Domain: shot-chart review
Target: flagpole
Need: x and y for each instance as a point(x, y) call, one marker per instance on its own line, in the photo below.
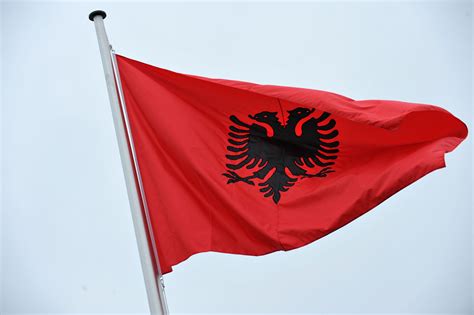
point(150, 265)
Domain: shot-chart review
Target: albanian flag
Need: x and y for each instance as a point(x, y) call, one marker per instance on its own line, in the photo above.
point(242, 168)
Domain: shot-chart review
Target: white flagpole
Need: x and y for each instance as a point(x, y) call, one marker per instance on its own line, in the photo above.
point(150, 264)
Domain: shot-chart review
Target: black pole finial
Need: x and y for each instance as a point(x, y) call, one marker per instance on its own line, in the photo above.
point(95, 13)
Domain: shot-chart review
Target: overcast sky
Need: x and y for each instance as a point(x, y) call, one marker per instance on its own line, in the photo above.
point(67, 236)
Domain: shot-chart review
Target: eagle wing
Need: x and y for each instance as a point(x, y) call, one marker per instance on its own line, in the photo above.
point(317, 142)
point(247, 145)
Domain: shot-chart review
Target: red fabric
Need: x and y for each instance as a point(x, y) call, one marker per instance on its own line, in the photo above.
point(180, 126)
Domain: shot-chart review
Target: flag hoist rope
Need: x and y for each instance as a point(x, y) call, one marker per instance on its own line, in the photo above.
point(145, 241)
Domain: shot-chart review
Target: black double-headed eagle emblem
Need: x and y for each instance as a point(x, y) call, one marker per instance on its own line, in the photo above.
point(278, 155)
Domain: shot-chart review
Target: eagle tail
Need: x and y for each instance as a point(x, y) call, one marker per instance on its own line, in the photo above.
point(277, 183)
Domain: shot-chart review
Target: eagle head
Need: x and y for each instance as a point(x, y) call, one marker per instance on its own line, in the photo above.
point(265, 117)
point(300, 113)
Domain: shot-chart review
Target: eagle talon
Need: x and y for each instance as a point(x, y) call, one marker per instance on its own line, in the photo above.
point(235, 178)
point(321, 173)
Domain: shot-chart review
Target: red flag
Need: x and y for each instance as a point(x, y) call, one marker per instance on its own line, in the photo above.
point(250, 169)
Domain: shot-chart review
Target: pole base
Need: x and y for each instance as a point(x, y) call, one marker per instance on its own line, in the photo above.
point(93, 14)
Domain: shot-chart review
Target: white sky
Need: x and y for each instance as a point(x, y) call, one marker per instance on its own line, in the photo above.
point(67, 237)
